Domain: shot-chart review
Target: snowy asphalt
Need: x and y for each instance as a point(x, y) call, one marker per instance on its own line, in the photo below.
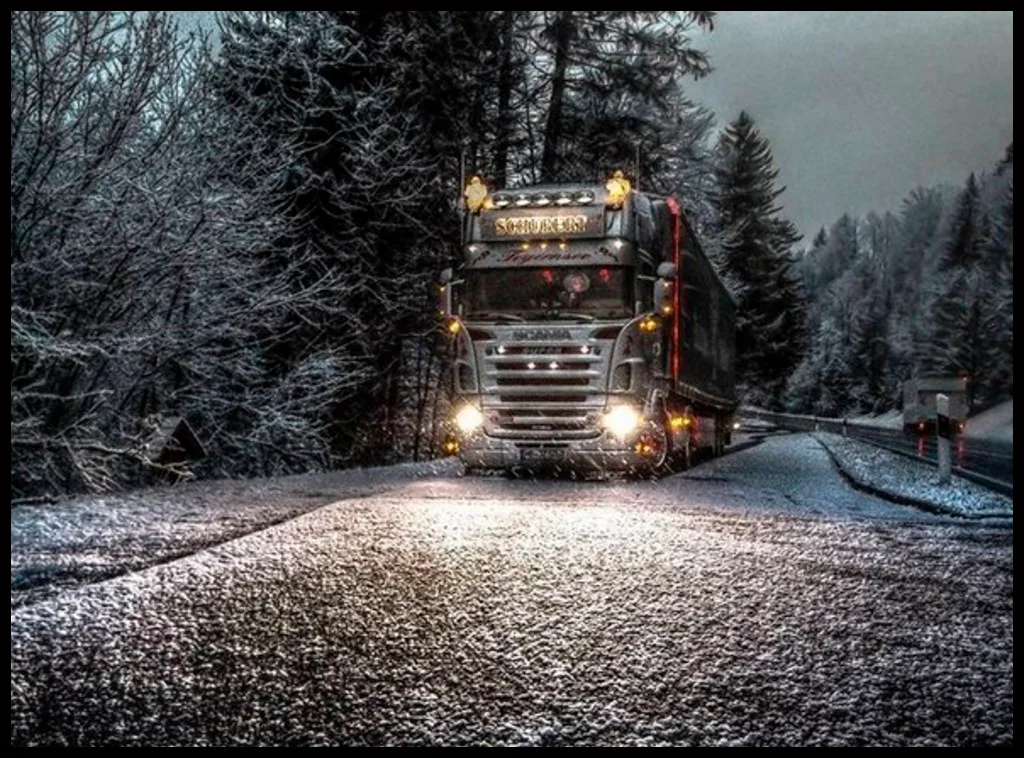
point(756, 600)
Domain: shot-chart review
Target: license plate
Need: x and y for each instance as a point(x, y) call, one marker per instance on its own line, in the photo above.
point(540, 455)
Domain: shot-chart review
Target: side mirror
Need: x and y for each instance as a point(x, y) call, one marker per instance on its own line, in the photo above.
point(664, 289)
point(663, 296)
point(444, 294)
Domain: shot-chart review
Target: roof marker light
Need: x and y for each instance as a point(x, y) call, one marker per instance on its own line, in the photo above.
point(618, 187)
point(476, 194)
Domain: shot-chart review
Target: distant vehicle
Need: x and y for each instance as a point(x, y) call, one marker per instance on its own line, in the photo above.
point(919, 411)
point(590, 332)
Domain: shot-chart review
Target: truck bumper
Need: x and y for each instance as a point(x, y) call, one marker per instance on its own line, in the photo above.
point(590, 455)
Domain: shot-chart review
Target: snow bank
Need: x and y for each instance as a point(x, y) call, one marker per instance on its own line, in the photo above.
point(913, 482)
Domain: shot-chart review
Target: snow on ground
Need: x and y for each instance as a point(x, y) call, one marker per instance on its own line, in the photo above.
point(995, 423)
point(888, 420)
point(911, 481)
point(86, 540)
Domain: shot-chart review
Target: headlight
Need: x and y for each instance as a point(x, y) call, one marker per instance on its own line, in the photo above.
point(469, 418)
point(621, 420)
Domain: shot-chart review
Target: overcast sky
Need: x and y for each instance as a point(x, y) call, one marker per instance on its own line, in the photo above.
point(861, 107)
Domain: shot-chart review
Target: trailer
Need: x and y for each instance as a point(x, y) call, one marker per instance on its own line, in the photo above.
point(589, 331)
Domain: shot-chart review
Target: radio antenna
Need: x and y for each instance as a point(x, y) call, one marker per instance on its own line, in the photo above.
point(637, 175)
point(461, 200)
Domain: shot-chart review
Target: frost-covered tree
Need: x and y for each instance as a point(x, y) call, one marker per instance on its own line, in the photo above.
point(106, 219)
point(685, 166)
point(135, 287)
point(918, 224)
point(971, 302)
point(358, 197)
point(997, 384)
point(836, 255)
point(955, 343)
point(926, 292)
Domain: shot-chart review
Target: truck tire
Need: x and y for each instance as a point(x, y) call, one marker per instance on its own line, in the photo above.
point(685, 455)
point(661, 462)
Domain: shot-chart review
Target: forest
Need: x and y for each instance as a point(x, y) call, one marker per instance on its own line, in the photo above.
point(245, 232)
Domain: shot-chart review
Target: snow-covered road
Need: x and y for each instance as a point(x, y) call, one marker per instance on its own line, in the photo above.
point(755, 600)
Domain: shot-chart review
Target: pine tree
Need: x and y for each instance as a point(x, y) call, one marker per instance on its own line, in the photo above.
point(755, 257)
point(997, 273)
point(871, 354)
point(919, 218)
point(968, 233)
point(955, 343)
point(928, 291)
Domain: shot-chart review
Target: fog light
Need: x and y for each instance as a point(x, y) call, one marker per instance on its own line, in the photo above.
point(621, 420)
point(469, 418)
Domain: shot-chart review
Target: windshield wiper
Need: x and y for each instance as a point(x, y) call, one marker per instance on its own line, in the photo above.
point(495, 316)
point(570, 314)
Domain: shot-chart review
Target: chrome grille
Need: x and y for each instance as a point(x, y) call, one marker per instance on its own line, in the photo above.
point(536, 390)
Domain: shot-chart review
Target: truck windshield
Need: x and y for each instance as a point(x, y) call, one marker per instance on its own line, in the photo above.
point(552, 292)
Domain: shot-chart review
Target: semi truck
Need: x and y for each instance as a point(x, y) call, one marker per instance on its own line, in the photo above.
point(589, 332)
point(919, 407)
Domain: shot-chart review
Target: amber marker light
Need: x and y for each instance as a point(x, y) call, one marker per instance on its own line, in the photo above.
point(618, 187)
point(475, 194)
